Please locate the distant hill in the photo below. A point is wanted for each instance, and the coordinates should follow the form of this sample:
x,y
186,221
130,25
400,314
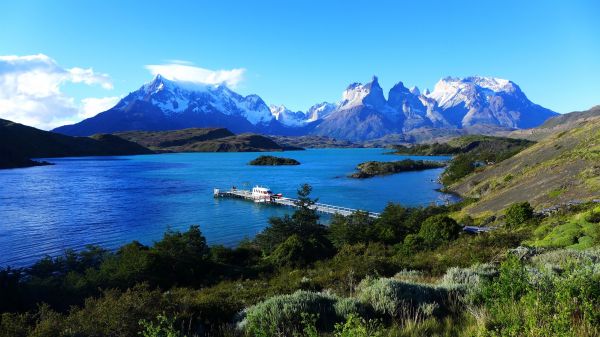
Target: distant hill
x,y
314,142
557,124
203,140
561,167
19,143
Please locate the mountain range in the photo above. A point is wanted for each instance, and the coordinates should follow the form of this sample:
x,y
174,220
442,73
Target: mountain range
x,y
455,106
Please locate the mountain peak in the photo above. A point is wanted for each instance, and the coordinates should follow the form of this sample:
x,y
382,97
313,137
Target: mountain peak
x,y
363,94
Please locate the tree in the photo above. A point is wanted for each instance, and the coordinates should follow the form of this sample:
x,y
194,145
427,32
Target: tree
x,y
181,257
391,226
304,223
299,252
439,229
518,213
351,229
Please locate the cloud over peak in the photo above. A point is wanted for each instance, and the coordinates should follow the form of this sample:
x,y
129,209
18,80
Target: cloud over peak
x,y
184,72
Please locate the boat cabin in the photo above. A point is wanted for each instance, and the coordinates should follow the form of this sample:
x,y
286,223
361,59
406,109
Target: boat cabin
x,y
261,194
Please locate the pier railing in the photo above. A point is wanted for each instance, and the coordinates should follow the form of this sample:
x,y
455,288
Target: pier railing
x,y
291,202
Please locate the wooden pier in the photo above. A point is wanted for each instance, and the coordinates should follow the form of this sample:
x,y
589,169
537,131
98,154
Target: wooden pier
x,y
288,202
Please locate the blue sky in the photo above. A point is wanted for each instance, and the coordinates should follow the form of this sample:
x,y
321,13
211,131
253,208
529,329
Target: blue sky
x,y
302,52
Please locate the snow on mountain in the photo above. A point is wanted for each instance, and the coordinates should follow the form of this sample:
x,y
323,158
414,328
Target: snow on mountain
x,y
288,117
320,111
163,104
493,101
362,113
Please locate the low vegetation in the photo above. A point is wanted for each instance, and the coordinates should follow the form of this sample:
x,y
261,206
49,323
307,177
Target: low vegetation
x,y
411,272
378,168
273,161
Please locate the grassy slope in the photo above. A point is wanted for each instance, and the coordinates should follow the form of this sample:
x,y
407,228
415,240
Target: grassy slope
x,y
560,168
557,124
202,140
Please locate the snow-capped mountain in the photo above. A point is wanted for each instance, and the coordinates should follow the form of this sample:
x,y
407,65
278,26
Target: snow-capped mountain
x,y
471,103
288,117
477,100
363,113
163,105
455,103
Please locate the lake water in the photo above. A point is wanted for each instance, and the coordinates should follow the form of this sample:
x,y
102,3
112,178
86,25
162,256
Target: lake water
x,y
110,201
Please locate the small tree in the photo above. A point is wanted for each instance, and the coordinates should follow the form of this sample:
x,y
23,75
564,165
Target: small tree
x,y
304,223
518,213
439,229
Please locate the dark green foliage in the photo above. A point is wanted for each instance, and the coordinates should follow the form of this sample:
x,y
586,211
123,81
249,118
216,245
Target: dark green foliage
x,y
439,229
593,217
272,160
300,252
518,213
181,256
378,168
352,229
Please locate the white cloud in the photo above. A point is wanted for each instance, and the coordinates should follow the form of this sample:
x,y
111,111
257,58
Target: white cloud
x,y
178,71
30,91
90,107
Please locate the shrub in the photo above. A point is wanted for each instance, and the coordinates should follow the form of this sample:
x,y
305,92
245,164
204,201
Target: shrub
x,y
593,217
439,229
395,298
470,278
518,213
163,327
549,304
281,315
358,327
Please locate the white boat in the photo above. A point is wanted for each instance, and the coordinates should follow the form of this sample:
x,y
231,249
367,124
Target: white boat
x,y
261,194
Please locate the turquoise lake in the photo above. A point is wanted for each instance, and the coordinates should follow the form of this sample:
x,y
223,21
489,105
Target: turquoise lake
x,y
109,201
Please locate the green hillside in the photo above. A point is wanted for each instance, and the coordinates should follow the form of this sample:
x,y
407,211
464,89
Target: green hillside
x,y
562,167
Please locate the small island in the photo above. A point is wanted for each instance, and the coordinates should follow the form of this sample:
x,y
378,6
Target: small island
x,y
378,168
273,161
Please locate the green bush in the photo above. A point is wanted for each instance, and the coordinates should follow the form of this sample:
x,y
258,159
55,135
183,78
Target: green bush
x,y
548,303
281,315
161,327
356,326
394,298
439,229
593,217
518,213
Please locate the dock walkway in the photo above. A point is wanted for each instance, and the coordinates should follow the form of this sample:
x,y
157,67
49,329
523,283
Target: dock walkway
x,y
290,202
